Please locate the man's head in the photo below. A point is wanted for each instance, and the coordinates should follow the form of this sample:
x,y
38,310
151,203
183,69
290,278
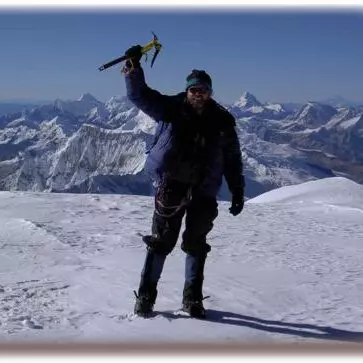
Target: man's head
x,y
198,88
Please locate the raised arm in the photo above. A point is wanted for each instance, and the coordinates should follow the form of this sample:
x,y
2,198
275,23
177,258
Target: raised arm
x,y
150,101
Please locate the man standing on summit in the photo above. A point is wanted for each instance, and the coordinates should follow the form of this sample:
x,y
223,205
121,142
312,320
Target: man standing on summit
x,y
195,145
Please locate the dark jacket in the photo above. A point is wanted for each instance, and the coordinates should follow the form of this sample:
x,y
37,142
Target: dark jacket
x,y
191,148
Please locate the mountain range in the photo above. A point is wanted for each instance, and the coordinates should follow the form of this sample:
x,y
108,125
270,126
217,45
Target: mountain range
x,y
87,146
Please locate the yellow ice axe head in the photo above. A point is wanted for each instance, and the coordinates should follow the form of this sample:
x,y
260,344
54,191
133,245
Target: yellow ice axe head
x,y
154,43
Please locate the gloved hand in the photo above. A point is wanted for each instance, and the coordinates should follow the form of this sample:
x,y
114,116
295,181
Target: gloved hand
x,y
135,54
237,203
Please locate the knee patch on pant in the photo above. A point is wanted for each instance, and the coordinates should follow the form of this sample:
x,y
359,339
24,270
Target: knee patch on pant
x,y
194,248
158,245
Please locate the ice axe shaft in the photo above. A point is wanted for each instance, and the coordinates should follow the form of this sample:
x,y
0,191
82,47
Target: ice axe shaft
x,y
154,43
112,63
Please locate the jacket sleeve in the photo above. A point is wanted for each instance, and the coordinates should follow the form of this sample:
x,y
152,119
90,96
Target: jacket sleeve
x,y
233,164
150,101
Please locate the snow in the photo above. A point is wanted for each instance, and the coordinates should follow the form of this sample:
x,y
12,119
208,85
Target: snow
x,y
256,109
282,271
139,123
17,135
17,122
314,114
274,107
351,122
337,191
273,164
342,115
306,109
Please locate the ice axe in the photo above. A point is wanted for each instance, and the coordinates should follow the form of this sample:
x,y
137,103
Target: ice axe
x,y
154,43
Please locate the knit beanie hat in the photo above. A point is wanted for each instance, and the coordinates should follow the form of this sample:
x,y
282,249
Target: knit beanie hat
x,y
200,78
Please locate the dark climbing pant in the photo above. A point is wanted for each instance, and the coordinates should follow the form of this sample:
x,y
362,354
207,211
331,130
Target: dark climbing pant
x,y
173,201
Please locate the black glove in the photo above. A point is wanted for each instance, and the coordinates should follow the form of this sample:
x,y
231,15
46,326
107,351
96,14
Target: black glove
x,y
134,53
237,203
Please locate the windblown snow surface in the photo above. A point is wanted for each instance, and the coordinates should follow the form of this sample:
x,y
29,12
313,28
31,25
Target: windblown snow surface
x,y
288,269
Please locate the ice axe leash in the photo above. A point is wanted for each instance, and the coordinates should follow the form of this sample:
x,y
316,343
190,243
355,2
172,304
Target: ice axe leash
x,y
154,43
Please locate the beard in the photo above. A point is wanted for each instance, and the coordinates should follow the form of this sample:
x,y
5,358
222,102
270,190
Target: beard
x,y
197,103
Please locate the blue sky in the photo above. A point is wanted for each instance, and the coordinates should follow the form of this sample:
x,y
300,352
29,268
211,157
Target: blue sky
x,y
286,56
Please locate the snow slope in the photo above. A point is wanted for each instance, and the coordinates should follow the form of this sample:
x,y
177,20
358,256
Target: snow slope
x,y
279,272
335,191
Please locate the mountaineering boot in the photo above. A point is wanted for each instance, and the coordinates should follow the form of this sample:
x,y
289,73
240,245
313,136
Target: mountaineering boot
x,y
144,305
194,308
192,292
145,299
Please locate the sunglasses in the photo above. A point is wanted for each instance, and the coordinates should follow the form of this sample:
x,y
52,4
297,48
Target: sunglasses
x,y
202,90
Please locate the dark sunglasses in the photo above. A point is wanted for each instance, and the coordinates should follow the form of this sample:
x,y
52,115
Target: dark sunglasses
x,y
195,90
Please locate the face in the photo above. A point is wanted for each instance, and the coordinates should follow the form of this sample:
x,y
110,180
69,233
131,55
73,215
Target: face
x,y
198,96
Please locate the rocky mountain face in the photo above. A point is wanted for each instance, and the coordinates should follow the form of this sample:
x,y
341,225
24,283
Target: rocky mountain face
x,y
329,137
87,146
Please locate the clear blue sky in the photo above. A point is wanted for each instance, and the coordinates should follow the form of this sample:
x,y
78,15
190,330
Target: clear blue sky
x,y
276,56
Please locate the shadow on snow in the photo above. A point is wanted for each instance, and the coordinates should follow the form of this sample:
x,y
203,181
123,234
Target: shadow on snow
x,y
301,330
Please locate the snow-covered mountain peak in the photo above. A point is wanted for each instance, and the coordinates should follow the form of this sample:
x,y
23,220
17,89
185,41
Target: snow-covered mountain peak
x,y
81,106
118,104
317,106
117,99
247,100
314,114
248,105
87,97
